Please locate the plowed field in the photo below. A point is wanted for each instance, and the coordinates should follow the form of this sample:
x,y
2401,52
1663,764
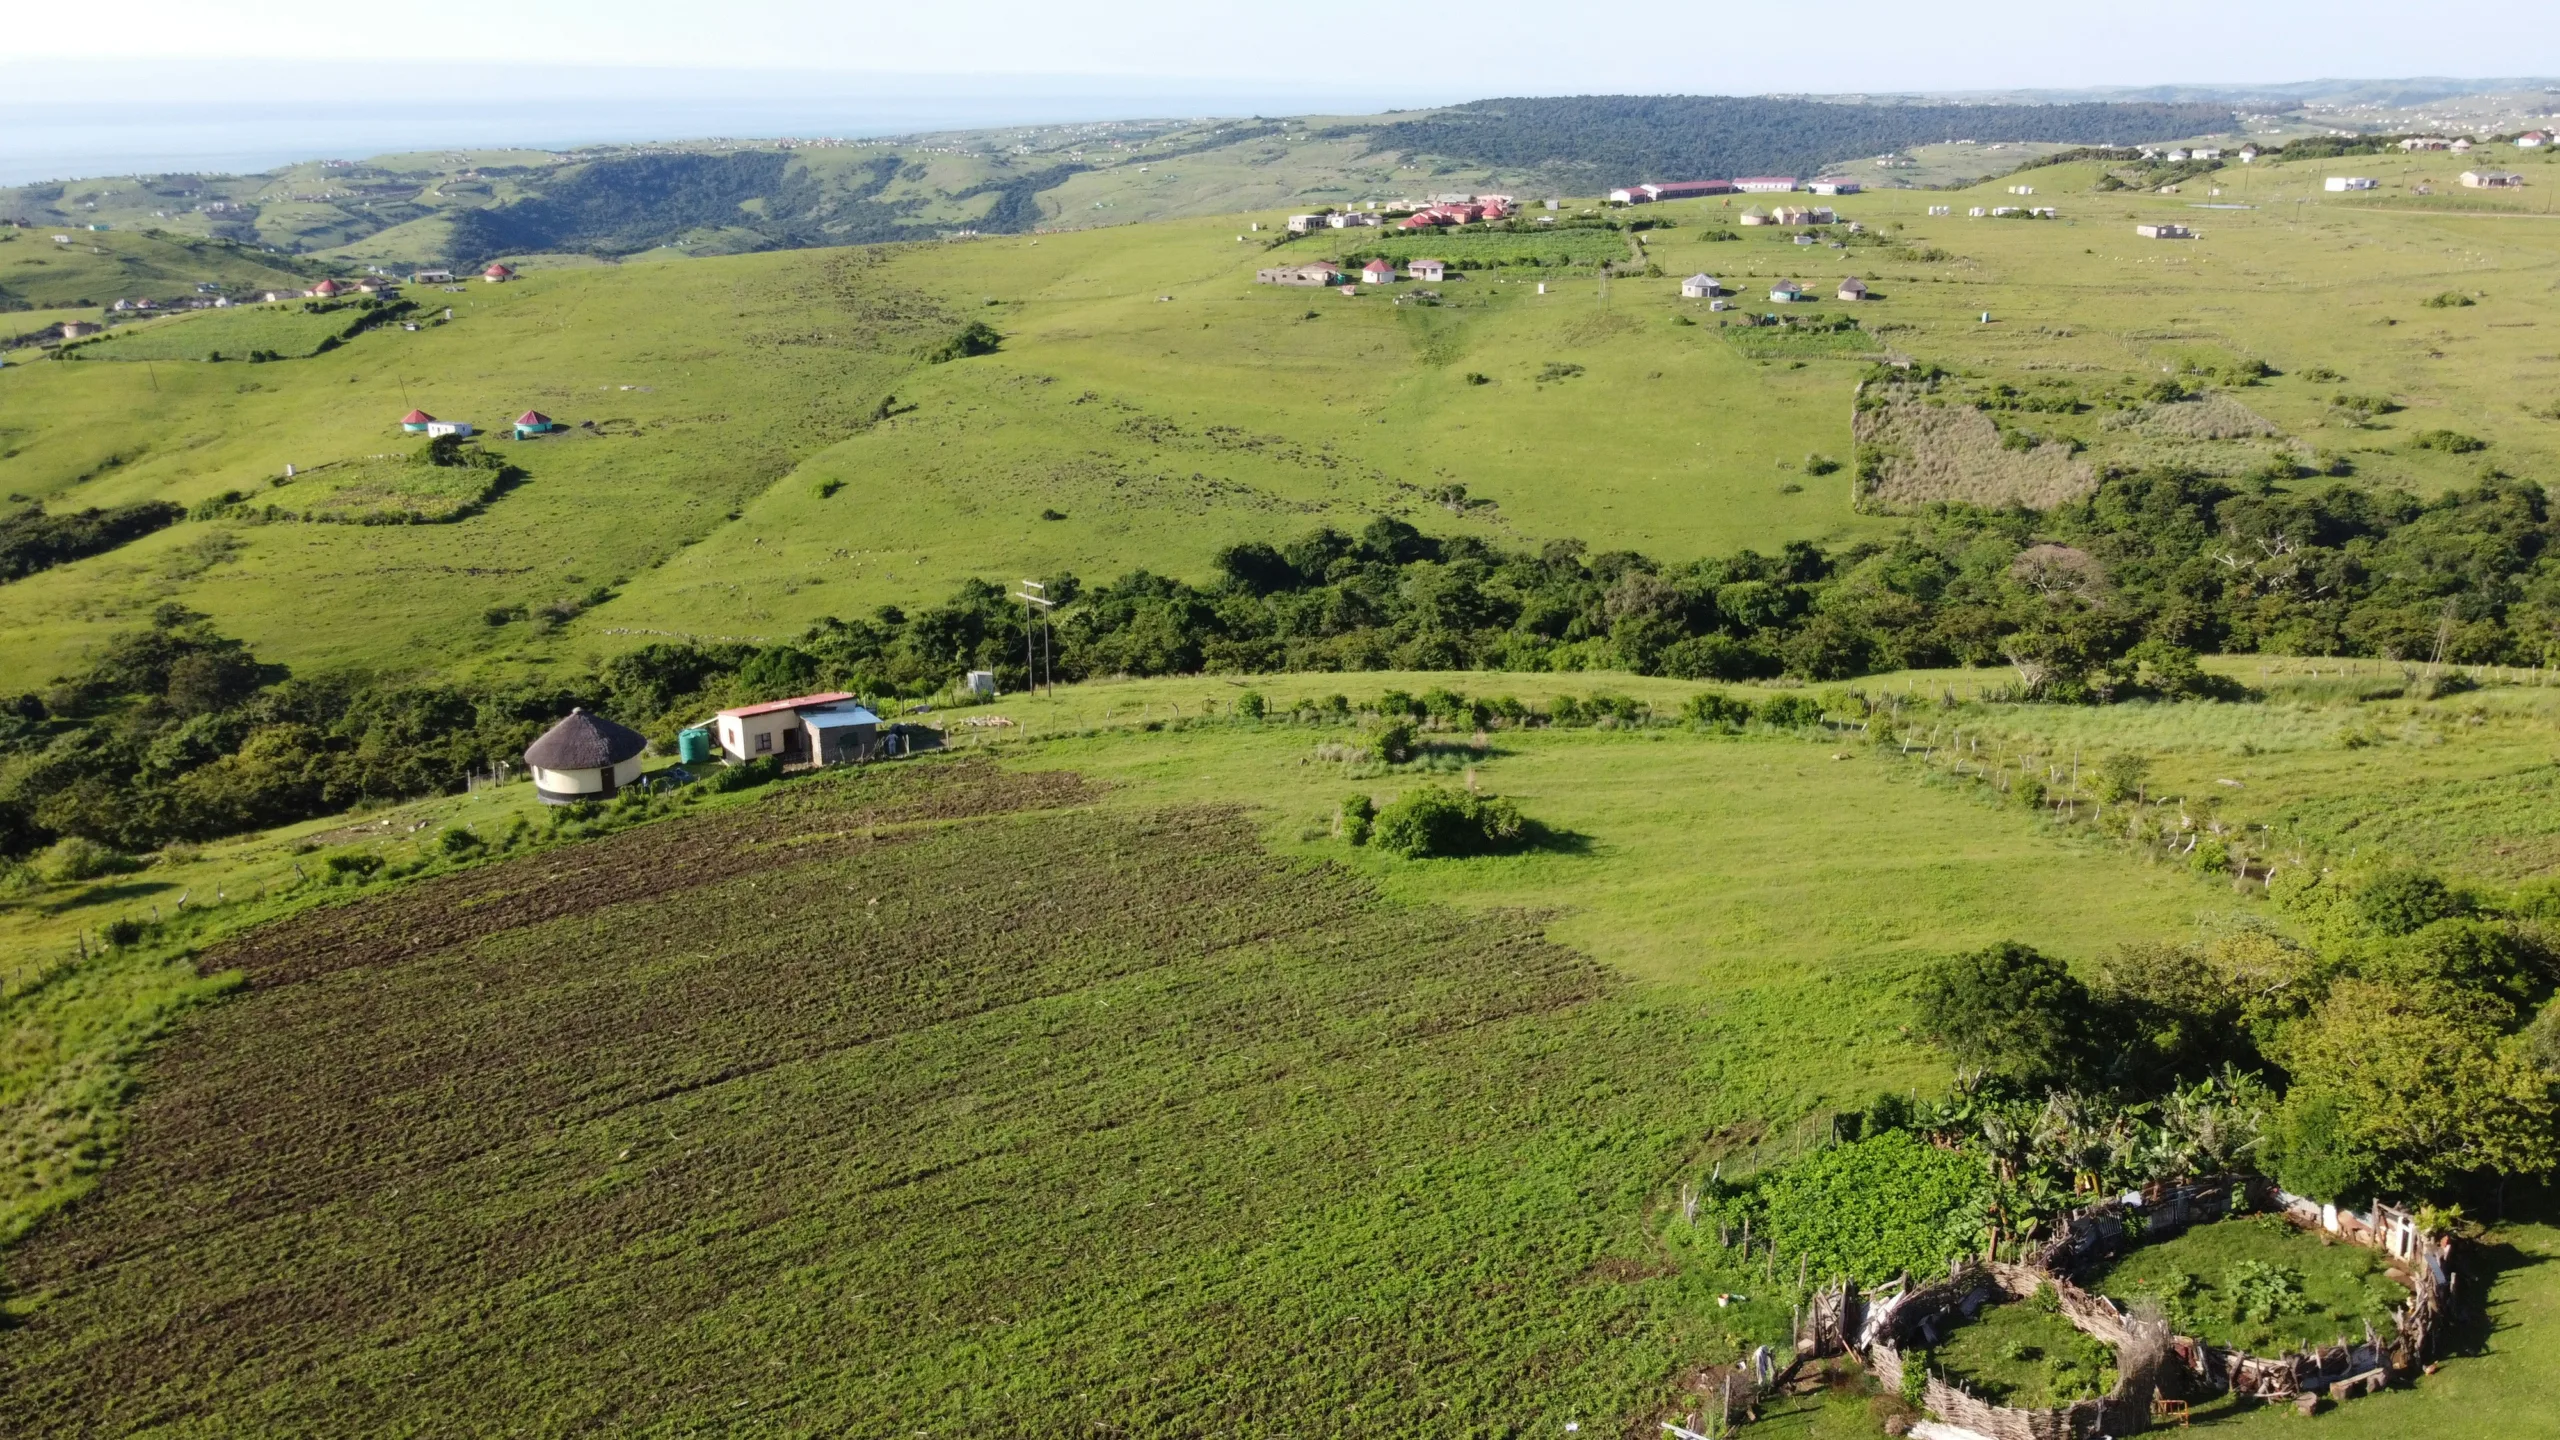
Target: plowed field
x,y
918,1104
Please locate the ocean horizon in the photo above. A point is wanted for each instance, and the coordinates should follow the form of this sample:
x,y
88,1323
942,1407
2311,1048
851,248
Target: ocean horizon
x,y
81,139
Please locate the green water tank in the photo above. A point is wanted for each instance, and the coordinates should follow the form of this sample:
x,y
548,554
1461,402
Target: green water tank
x,y
693,746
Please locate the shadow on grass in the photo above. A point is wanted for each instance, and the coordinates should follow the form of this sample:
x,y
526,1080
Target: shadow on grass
x,y
127,892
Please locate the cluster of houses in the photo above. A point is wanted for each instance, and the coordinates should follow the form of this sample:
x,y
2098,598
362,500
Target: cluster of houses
x,y
587,757
1788,215
1785,292
1657,190
1323,274
527,425
1443,210
2471,179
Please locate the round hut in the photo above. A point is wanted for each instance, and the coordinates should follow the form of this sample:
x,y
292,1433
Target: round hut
x,y
584,757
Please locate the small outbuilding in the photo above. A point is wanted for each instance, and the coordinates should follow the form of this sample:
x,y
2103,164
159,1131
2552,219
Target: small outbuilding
x,y
584,757
1700,287
416,422
1853,288
1378,272
533,422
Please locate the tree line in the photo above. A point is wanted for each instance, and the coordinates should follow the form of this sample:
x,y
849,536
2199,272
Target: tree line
x,y
176,732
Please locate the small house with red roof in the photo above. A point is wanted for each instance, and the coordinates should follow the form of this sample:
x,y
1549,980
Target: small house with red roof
x,y
416,422
497,274
326,290
1378,272
533,422
822,729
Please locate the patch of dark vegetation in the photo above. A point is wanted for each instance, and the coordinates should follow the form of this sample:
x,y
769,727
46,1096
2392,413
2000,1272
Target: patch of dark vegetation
x,y
31,540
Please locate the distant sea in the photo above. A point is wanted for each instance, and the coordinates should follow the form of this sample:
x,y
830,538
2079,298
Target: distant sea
x,y
74,139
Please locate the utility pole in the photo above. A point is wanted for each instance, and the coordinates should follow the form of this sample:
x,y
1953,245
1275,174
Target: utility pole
x,y
1035,607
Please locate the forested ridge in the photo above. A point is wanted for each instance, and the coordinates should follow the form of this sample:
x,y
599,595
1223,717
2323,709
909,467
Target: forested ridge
x,y
1605,140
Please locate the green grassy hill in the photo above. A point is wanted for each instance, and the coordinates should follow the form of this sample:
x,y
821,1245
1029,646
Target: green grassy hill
x,y
1162,404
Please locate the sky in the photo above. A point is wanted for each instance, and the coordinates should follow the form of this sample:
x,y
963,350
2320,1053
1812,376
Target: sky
x,y
1476,48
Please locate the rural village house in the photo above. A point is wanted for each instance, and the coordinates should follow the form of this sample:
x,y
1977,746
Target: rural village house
x,y
584,757
1853,288
2340,183
1318,274
1431,270
823,729
2164,232
1786,292
2492,180
498,274
534,422
1378,272
416,422
1700,287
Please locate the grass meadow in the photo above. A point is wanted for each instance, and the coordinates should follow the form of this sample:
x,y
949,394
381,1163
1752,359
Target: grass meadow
x,y
1164,405
233,334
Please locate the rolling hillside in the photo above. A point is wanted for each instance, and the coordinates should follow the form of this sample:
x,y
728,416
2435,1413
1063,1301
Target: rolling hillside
x,y
1160,405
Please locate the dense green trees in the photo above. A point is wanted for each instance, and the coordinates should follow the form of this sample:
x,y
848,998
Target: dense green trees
x,y
2410,1049
31,540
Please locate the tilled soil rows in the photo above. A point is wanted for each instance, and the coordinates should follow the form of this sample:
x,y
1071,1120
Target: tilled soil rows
x,y
1047,1120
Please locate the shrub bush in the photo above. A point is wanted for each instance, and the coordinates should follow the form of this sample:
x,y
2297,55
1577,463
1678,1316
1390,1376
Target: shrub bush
x,y
1394,745
73,858
1359,812
1435,821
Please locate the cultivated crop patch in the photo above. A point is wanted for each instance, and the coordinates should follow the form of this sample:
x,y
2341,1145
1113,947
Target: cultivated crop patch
x,y
874,1108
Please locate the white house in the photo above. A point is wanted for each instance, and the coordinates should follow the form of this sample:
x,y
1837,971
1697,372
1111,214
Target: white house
x,y
584,757
1700,287
1378,272
1765,184
1431,270
2206,152
2164,232
1834,185
1301,224
2340,183
2492,179
822,729
2532,140
457,428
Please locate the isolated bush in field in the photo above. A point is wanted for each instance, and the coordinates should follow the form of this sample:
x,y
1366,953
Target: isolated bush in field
x,y
1394,745
2367,406
2120,777
73,858
2028,793
2448,300
1435,821
1251,706
1820,465
349,866
1397,703
455,841
975,338
1359,812
2403,902
123,932
2007,1011
2451,442
2210,857
828,487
